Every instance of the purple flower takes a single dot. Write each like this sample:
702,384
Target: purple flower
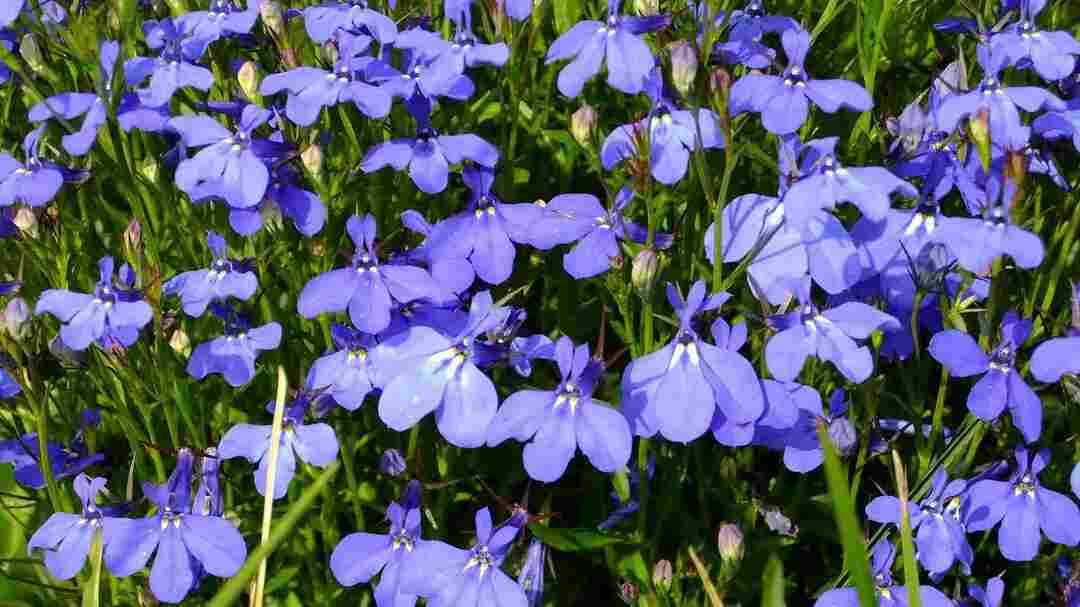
977,241
134,114
426,371
556,423
225,18
504,345
991,596
1051,54
486,231
231,164
671,133
531,575
233,354
799,440
72,105
1023,507
1058,125
366,288
888,594
470,578
7,40
1001,384
9,388
223,279
314,444
827,335
109,312
1056,357
9,12
677,390
940,535
322,21
347,375
66,538
429,155
186,543
783,101
36,182
392,463
426,75
173,68
208,498
629,59
303,208
464,51
311,89
65,460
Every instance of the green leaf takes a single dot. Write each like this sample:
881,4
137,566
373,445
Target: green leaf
92,590
576,540
772,583
567,13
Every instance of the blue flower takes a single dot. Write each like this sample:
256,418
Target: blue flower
173,68
66,538
629,59
225,18
9,12
65,460
531,576
9,388
1023,507
110,311
347,375
72,105
314,444
888,594
1056,357
1051,54
322,21
425,75
992,595
233,354
558,422
799,439
35,182
223,279
783,101
209,500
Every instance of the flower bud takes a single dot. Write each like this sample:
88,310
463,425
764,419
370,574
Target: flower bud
644,270
647,8
531,576
392,463
133,237
662,574
30,51
842,434
248,78
729,541
979,130
272,17
180,342
719,87
312,158
26,220
329,52
583,123
684,66
628,592
17,318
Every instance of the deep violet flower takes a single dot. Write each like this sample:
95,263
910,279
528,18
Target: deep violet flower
366,288
72,105
173,68
35,182
1001,385
783,101
629,59
1023,507
233,354
65,460
186,543
111,311
825,334
888,594
558,422
676,390
347,375
223,279
66,538
314,444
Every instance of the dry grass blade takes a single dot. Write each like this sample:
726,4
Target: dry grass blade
703,573
271,472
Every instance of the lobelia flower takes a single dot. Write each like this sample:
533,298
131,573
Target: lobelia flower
186,543
1059,125
311,89
230,165
173,68
285,194
624,510
999,100
940,537
558,422
453,275
224,18
429,155
1001,385
9,388
825,334
1023,507
504,345
209,500
72,105
1056,357
427,371
677,390
486,231
531,575
346,375
424,75
470,578
366,288
314,444
358,557
223,279
783,101
233,354
464,51
133,114
322,21
991,596
65,460
36,182
887,593
66,538
8,39
977,241
799,441
109,312
392,463
9,12
671,134
629,59
1051,54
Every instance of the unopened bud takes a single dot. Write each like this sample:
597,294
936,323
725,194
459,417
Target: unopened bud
628,592
133,237
719,89
729,541
312,158
842,434
392,463
329,52
644,270
26,220
248,78
17,318
30,51
583,124
684,66
272,17
647,7
979,130
180,342
662,574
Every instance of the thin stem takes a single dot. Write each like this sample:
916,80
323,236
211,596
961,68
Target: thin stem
271,473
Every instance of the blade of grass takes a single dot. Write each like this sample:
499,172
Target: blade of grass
844,512
772,583
271,473
907,546
703,573
92,591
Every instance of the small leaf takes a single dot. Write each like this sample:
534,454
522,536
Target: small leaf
772,583
576,540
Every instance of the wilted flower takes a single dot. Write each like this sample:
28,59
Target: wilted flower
583,124
644,270
16,318
628,592
392,463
